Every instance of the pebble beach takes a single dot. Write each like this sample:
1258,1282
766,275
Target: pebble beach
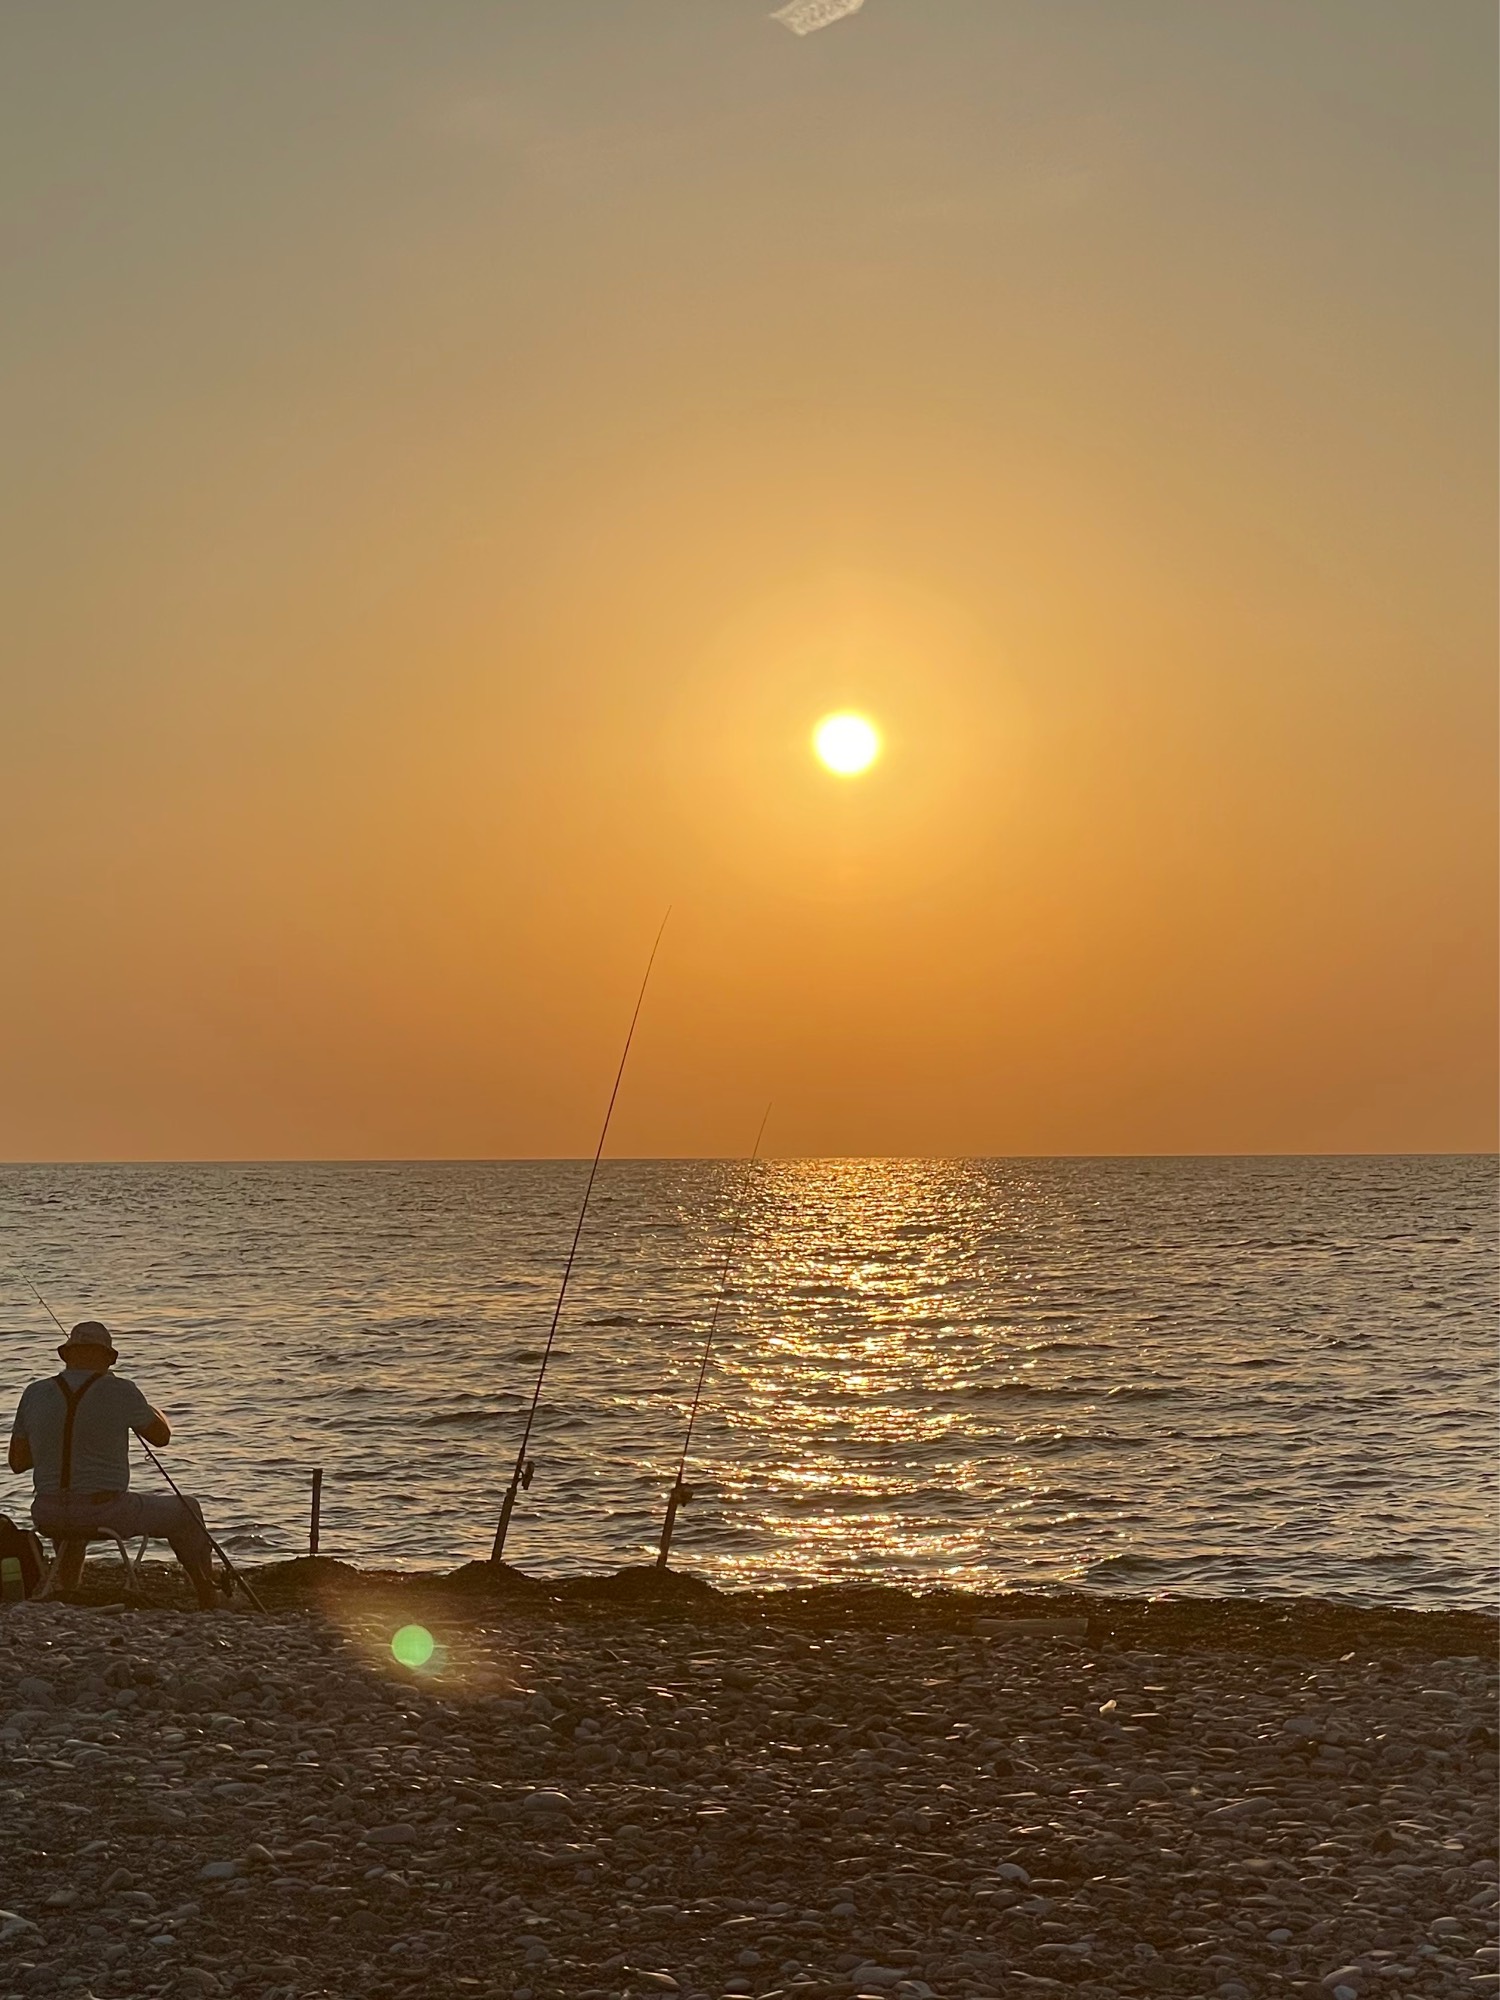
611,1789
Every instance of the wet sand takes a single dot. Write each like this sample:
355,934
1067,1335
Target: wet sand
600,1789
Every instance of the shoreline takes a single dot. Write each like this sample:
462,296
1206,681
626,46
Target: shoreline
1307,1625
599,1790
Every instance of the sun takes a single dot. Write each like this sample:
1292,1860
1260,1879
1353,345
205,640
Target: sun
847,743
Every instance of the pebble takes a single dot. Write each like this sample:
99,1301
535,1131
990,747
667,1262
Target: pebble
548,1802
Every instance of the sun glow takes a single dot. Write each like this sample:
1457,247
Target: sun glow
847,743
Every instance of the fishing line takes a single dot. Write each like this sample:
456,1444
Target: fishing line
218,1551
521,1477
681,1495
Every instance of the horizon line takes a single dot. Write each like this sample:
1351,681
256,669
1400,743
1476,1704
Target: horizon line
687,1159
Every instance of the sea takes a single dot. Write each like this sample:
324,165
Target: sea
1258,1377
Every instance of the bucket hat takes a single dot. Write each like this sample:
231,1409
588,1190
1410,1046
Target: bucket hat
89,1333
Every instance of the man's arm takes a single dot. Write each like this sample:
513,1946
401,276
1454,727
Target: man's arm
145,1419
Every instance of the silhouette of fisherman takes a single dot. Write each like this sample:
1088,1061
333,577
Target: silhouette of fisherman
72,1434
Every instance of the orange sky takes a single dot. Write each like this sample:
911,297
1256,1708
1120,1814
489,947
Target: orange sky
455,454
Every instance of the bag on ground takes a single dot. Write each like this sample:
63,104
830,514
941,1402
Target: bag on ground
22,1565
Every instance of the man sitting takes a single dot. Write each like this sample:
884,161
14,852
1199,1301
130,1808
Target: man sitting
72,1434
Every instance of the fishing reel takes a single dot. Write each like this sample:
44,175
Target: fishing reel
528,1472
683,1495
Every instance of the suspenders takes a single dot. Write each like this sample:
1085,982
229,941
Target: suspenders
72,1397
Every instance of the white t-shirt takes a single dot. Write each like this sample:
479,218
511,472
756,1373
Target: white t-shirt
107,1414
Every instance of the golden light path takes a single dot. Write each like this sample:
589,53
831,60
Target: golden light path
847,743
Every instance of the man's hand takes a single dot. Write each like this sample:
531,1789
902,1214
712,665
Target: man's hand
19,1458
158,1431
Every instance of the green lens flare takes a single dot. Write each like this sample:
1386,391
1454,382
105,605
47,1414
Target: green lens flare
413,1646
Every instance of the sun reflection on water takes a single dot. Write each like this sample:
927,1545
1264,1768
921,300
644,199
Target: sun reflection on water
848,1389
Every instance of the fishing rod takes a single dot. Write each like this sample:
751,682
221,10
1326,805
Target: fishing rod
237,1576
681,1494
217,1549
525,1468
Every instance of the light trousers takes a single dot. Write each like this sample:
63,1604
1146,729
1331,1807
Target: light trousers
74,1517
